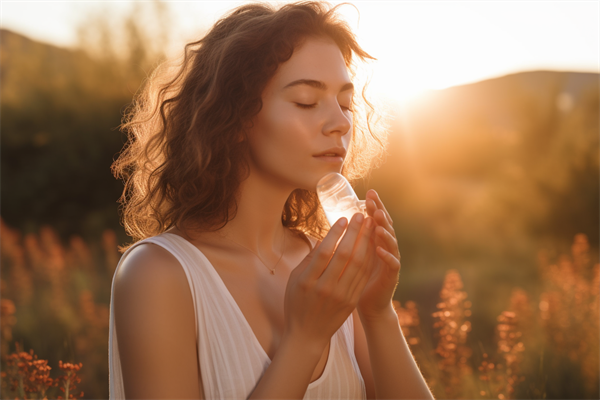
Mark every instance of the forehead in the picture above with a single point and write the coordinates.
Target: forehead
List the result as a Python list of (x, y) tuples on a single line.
[(317, 59)]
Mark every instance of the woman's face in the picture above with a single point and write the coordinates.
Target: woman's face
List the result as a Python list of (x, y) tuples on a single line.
[(299, 120)]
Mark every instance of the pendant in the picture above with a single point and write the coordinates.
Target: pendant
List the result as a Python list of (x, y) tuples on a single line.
[(272, 272)]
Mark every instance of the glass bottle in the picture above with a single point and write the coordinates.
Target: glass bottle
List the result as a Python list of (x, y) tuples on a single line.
[(338, 199)]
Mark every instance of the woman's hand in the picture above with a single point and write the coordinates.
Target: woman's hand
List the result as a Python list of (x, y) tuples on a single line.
[(324, 288), (383, 262)]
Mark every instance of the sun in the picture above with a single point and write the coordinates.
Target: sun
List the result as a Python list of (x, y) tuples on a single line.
[(419, 48)]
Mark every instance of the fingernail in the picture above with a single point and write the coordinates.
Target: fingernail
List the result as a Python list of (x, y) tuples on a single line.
[(359, 218)]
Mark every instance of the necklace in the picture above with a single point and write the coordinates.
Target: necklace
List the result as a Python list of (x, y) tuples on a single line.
[(272, 270)]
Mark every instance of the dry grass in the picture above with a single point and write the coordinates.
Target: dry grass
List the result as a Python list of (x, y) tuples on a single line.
[(45, 284)]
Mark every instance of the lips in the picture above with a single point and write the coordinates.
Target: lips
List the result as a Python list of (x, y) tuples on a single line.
[(330, 159), (332, 152)]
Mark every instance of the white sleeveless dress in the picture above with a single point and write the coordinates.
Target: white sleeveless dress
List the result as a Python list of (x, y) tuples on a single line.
[(231, 359)]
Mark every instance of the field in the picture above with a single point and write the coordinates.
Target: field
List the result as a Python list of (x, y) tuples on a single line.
[(55, 309), (493, 188)]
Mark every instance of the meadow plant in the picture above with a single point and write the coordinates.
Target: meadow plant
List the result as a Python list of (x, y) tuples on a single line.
[(453, 327), (13, 256), (408, 317), (7, 321), (68, 281), (520, 304), (511, 349), (27, 377), (66, 382), (423, 353), (569, 312)]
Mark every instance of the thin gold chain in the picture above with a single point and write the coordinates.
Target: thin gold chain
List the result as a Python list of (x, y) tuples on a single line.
[(272, 270)]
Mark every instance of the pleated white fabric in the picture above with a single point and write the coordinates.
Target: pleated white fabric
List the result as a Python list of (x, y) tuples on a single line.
[(232, 361)]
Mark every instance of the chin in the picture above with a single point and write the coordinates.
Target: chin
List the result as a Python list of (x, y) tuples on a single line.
[(313, 175)]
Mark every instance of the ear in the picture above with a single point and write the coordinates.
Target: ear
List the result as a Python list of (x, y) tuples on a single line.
[(243, 134)]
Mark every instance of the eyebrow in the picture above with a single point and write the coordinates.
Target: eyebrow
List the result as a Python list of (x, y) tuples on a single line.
[(317, 84)]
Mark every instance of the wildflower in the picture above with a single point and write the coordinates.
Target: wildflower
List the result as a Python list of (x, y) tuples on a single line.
[(7, 311), (569, 303), (26, 374), (453, 328), (409, 321), (67, 382), (511, 348)]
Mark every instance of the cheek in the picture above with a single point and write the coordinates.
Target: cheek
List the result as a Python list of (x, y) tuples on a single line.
[(281, 137)]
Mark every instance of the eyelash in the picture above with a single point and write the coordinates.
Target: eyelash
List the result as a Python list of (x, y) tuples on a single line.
[(309, 106)]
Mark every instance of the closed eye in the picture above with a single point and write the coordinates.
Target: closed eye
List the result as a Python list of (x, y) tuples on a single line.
[(306, 105), (309, 106)]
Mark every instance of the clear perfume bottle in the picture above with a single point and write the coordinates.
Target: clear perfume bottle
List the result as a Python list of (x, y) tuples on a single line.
[(338, 199)]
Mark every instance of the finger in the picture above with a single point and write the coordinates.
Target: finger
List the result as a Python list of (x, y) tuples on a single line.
[(365, 269), (388, 258), (371, 207), (382, 221), (372, 194), (321, 254), (371, 261), (356, 267), (343, 252), (389, 241), (379, 216)]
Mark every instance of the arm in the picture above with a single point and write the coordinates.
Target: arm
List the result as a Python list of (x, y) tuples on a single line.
[(154, 320), (361, 352), (395, 372), (288, 375)]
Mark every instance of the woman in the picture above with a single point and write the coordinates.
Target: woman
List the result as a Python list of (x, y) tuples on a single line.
[(229, 294)]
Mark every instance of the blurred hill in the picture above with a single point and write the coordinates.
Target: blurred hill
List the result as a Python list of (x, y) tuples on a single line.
[(60, 109), (493, 168)]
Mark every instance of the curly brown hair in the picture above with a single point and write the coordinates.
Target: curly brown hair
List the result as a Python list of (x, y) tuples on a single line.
[(186, 154)]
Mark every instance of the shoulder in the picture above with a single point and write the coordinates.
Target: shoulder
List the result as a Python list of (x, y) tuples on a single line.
[(149, 279), (148, 262), (155, 325)]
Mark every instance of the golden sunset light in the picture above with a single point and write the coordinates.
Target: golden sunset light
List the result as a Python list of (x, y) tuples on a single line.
[(420, 46), (225, 134)]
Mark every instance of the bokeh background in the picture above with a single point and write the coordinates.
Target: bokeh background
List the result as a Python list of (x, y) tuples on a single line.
[(491, 178)]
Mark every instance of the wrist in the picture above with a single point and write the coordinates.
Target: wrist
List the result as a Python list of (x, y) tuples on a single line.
[(310, 348), (384, 316)]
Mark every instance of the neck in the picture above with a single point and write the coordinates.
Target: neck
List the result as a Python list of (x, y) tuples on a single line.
[(257, 224)]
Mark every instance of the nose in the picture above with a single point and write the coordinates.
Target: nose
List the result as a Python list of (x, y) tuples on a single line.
[(338, 120)]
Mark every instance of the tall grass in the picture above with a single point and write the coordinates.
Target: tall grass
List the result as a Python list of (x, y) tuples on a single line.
[(545, 348), (55, 300)]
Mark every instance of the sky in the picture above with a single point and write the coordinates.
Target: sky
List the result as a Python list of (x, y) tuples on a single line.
[(419, 45)]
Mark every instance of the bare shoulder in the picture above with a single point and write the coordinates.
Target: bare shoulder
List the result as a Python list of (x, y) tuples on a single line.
[(155, 325), (148, 262)]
